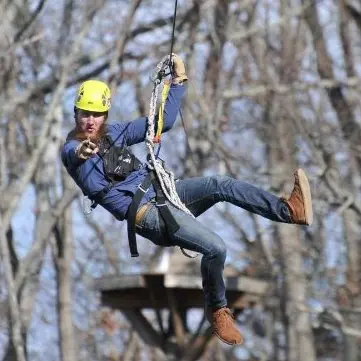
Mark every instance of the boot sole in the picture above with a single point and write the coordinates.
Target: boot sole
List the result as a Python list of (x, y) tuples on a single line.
[(229, 343), (306, 194)]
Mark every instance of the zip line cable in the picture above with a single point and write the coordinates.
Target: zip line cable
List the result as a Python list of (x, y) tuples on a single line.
[(171, 52), (173, 30), (170, 56)]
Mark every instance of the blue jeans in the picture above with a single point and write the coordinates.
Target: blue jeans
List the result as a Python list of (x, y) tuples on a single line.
[(199, 194)]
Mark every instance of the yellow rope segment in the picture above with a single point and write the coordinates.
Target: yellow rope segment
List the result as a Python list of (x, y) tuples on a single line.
[(165, 91)]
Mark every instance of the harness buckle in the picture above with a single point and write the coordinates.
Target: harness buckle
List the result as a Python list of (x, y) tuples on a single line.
[(142, 189)]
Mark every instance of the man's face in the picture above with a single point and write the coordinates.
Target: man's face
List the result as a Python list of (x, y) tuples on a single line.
[(90, 122)]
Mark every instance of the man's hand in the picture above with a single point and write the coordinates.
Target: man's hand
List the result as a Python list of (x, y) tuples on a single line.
[(86, 149), (179, 72)]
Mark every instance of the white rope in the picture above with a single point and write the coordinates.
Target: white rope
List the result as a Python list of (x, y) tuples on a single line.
[(164, 176)]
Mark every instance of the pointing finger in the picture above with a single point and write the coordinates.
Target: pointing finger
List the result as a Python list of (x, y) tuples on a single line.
[(92, 145)]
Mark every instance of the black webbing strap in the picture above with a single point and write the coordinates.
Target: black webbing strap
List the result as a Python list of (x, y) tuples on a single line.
[(170, 223), (132, 212)]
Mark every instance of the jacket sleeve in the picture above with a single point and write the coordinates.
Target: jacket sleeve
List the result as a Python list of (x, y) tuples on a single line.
[(87, 174), (135, 131), (68, 155)]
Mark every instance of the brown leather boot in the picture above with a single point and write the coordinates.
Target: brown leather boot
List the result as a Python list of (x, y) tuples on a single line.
[(300, 203), (224, 328)]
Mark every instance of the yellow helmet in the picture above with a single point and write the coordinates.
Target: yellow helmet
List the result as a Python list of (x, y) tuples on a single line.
[(93, 95)]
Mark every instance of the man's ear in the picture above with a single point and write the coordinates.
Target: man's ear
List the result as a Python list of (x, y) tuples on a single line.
[(76, 114)]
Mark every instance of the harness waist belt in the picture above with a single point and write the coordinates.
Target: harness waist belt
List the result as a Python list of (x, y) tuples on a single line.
[(166, 218)]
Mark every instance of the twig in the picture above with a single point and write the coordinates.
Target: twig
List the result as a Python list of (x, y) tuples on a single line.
[(15, 320)]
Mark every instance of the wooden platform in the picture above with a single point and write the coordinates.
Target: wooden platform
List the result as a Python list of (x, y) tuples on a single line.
[(174, 284), (152, 291)]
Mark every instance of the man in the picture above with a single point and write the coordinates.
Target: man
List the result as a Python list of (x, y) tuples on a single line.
[(112, 177)]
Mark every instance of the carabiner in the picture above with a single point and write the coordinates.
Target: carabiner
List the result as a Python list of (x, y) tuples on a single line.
[(159, 73)]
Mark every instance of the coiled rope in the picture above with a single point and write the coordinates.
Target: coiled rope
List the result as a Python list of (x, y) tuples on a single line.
[(164, 176)]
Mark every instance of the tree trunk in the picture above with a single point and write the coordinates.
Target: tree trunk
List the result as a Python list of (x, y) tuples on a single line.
[(293, 292), (63, 261), (17, 348), (352, 232)]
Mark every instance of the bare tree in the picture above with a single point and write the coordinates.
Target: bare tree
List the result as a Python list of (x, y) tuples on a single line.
[(268, 91)]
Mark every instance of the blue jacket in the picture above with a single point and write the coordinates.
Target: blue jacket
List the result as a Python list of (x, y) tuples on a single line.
[(89, 174)]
